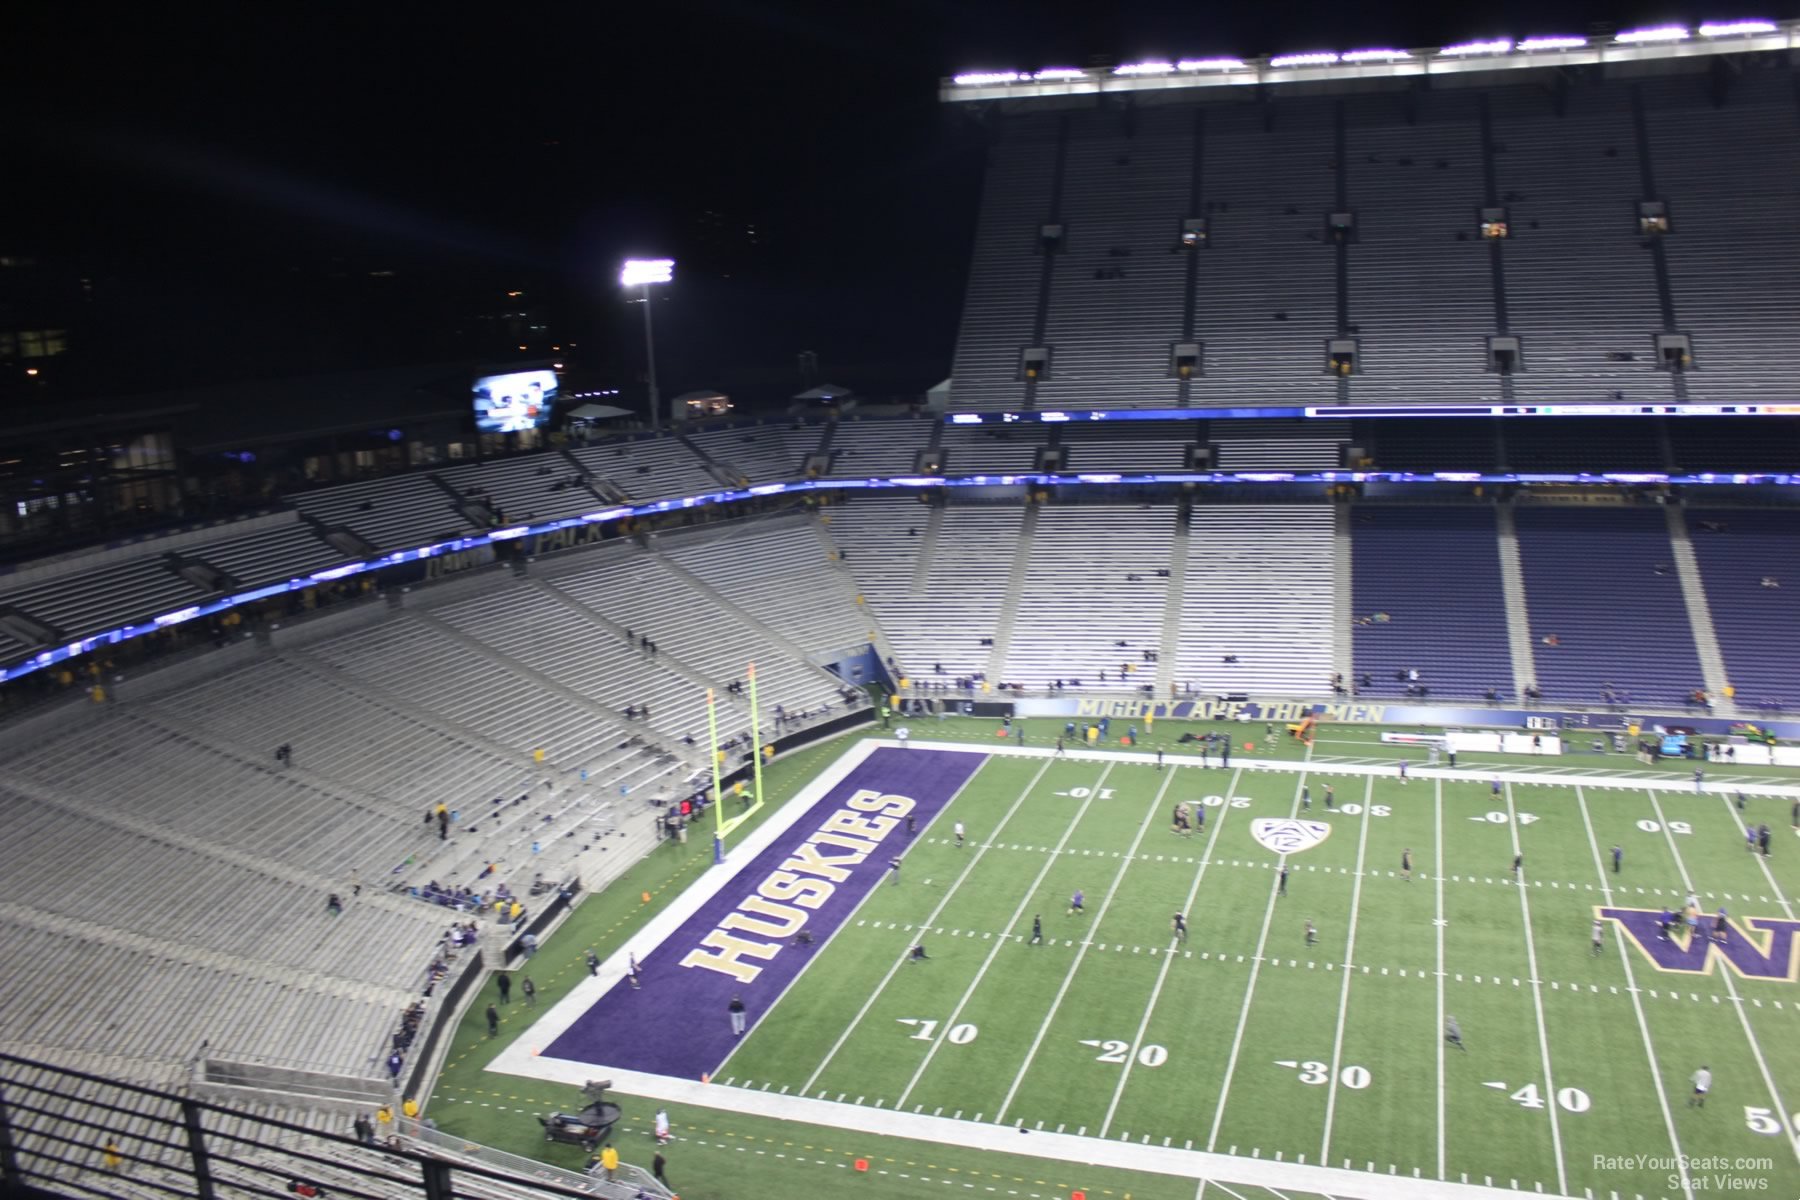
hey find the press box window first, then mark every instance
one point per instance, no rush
(1503, 356)
(1340, 227)
(1494, 224)
(1034, 363)
(1050, 237)
(1185, 359)
(1653, 218)
(1194, 233)
(1341, 356)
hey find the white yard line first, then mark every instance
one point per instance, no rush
(1537, 998)
(1760, 860)
(948, 892)
(1018, 914)
(1069, 975)
(1262, 941)
(1337, 1044)
(1169, 959)
(1783, 1113)
(1437, 872)
(1637, 1003)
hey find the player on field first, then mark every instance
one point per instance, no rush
(1453, 1032)
(894, 871)
(1179, 924)
(1406, 864)
(1312, 934)
(1518, 863)
(918, 954)
(1305, 798)
(1330, 798)
(1495, 786)
(1663, 924)
(1403, 772)
(1702, 1085)
(1037, 930)
(1599, 935)
(1721, 927)
(959, 835)
(1281, 889)
(1618, 853)
(1075, 904)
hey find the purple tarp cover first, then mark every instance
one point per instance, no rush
(678, 1023)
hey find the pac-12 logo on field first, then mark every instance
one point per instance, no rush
(1288, 835)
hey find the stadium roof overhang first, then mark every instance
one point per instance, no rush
(1668, 44)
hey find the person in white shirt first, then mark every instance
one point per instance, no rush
(1702, 1085)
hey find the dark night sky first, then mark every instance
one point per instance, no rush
(213, 163)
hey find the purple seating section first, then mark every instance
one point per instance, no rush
(1436, 573)
(1758, 627)
(1591, 582)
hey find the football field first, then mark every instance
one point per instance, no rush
(1575, 1071)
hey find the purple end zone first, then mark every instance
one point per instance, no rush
(678, 1023)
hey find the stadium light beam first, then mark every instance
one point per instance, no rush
(1312, 58)
(1554, 42)
(1714, 29)
(1658, 33)
(642, 272)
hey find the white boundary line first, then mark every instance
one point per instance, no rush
(1783, 1113)
(1437, 871)
(1169, 959)
(1262, 941)
(1537, 996)
(1081, 952)
(1001, 941)
(1637, 1003)
(1337, 1044)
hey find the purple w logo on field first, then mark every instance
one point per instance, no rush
(1764, 951)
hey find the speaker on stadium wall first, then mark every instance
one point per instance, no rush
(1200, 457)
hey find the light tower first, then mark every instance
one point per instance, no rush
(642, 272)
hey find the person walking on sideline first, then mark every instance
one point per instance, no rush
(894, 871)
(663, 1136)
(529, 989)
(504, 981)
(493, 1019)
(658, 1167)
(1702, 1085)
(736, 1009)
(609, 1161)
(593, 963)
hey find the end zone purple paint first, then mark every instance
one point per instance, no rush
(739, 942)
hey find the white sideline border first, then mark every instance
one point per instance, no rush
(521, 1059)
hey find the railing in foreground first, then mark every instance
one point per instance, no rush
(75, 1134)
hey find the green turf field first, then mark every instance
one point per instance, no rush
(1245, 1039)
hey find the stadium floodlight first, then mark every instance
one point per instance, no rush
(977, 78)
(1059, 73)
(1496, 46)
(1312, 58)
(1210, 64)
(642, 272)
(1145, 68)
(1372, 55)
(1714, 29)
(1554, 42)
(1655, 33)
(638, 272)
